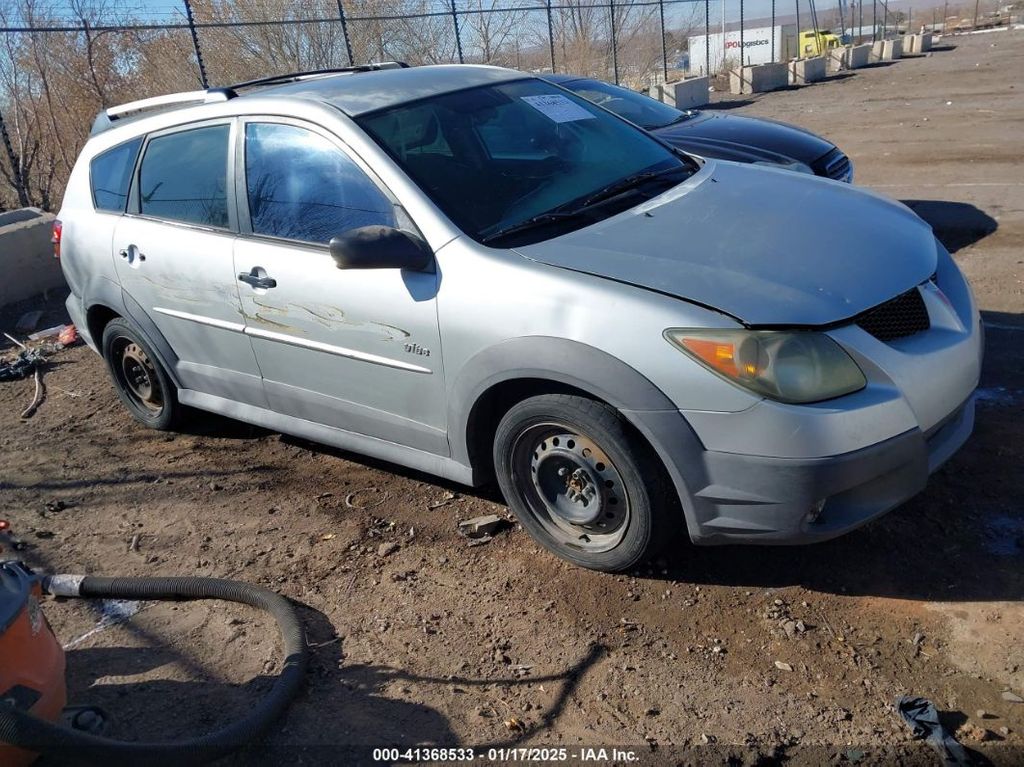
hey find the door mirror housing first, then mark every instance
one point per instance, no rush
(380, 247)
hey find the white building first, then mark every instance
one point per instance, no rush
(757, 47)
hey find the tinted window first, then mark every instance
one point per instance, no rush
(184, 177)
(302, 187)
(111, 174)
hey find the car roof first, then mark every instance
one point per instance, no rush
(359, 93)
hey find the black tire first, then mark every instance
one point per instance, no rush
(139, 379)
(581, 482)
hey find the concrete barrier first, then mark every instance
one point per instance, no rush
(26, 255)
(849, 57)
(803, 71)
(887, 50)
(687, 93)
(921, 43)
(758, 78)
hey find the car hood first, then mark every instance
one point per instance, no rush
(744, 139)
(766, 246)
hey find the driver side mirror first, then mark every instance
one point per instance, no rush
(380, 247)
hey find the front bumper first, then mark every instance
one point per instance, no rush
(738, 498)
(751, 499)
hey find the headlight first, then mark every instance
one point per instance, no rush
(794, 165)
(788, 366)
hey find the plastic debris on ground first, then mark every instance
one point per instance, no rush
(21, 365)
(922, 717)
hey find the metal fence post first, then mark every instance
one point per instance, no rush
(975, 25)
(664, 50)
(16, 175)
(707, 38)
(874, 20)
(551, 36)
(615, 42)
(799, 52)
(458, 33)
(195, 43)
(741, 39)
(344, 32)
(773, 30)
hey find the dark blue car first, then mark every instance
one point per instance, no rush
(722, 136)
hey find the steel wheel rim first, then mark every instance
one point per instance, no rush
(571, 487)
(138, 376)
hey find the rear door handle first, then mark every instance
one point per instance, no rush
(131, 253)
(257, 278)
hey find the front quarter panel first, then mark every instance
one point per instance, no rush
(494, 305)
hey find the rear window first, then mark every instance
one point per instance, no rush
(184, 177)
(110, 175)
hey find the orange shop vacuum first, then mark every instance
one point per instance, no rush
(33, 693)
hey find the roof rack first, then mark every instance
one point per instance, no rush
(105, 119)
(313, 73)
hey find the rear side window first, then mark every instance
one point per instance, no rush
(302, 187)
(110, 175)
(184, 177)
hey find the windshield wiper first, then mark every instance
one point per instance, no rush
(624, 185)
(576, 209)
(539, 220)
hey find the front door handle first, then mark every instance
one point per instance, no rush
(257, 278)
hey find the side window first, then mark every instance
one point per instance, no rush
(184, 176)
(110, 175)
(300, 186)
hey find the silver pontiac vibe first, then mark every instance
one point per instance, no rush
(473, 272)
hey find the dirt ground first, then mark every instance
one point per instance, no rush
(695, 659)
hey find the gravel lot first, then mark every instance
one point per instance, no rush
(439, 643)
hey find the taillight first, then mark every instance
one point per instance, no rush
(58, 230)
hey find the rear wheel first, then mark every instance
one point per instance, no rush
(580, 481)
(140, 380)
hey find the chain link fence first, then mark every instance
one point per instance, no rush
(62, 61)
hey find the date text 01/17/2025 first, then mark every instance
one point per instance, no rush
(505, 754)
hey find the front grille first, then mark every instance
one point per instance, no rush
(839, 168)
(898, 318)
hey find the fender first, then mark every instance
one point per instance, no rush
(101, 291)
(595, 372)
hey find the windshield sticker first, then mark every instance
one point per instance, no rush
(558, 108)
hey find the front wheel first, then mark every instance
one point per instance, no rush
(581, 482)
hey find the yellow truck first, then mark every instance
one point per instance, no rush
(817, 43)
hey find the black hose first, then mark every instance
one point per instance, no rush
(21, 729)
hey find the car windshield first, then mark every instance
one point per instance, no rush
(636, 107)
(523, 155)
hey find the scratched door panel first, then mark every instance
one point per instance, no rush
(355, 349)
(183, 279)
